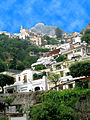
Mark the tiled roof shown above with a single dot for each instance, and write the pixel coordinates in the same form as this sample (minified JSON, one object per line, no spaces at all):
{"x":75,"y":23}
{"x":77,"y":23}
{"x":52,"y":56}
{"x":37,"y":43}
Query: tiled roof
{"x":53,"y":52}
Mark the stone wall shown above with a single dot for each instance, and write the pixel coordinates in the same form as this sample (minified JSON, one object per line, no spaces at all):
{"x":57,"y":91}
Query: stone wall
{"x":23,"y":99}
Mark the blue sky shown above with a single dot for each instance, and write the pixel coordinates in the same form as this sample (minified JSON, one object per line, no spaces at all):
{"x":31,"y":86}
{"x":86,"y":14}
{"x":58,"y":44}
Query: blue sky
{"x":70,"y":15}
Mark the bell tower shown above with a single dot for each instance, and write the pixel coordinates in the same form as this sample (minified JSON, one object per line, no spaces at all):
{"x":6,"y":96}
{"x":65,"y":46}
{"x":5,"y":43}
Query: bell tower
{"x":21,"y":30}
{"x":21,"y":27}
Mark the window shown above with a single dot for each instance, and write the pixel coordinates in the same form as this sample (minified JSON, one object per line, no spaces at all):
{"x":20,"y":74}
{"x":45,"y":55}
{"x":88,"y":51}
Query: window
{"x":19,"y":79}
{"x":25,"y":78}
{"x":54,"y":89}
{"x":61,"y":88}
{"x":64,"y":66}
{"x":37,"y":88}
{"x":61,"y":73}
{"x":70,"y":85}
{"x":75,"y":51}
{"x":58,"y":67}
{"x":68,"y":73}
{"x":88,"y":50}
{"x":78,"y":50}
{"x":66,"y":56}
{"x":14,"y":79}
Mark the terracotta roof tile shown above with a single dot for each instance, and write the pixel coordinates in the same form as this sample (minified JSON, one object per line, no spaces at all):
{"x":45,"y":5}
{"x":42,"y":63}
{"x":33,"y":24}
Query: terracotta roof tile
{"x":53,"y":52}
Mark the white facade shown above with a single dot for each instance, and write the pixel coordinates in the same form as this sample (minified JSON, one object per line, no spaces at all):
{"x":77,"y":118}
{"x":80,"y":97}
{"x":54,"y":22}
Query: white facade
{"x":24,"y":82}
{"x":45,"y":61}
{"x":4,"y":32}
{"x":77,"y":39}
{"x":64,"y":46}
{"x":77,"y":51}
{"x":51,"y":46}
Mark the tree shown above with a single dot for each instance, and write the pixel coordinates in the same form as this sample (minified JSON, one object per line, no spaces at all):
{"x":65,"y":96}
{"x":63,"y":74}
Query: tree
{"x":62,"y":42}
{"x":57,"y":105}
{"x":86,"y":38}
{"x":81,"y":68}
{"x":5,"y":80}
{"x":29,"y":60}
{"x":20,"y":66}
{"x":65,"y":105}
{"x":37,"y":49}
{"x":13,"y":64}
{"x":51,"y":110}
{"x":60,"y":58}
{"x":87,"y":31}
{"x":46,"y":37}
{"x":59,"y":32}
{"x":50,"y":41}
{"x":2,"y":66}
{"x":16,"y":65}
{"x":53,"y":77}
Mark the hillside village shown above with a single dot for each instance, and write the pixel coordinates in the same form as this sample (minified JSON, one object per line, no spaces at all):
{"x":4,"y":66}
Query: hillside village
{"x":57,"y":60}
{"x":73,"y":49}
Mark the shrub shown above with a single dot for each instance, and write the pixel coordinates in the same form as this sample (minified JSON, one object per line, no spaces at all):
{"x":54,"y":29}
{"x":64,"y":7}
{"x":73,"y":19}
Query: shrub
{"x":40,"y":67}
{"x":60,"y":58}
{"x":3,"y":118}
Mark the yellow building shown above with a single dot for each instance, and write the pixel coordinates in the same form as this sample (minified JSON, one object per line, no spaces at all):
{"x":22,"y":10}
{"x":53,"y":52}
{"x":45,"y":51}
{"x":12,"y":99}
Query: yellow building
{"x":62,"y":68}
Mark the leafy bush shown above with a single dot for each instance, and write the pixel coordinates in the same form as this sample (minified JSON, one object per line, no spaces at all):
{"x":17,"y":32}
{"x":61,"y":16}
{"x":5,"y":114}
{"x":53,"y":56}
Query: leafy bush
{"x":60,"y":58}
{"x":86,"y":38}
{"x":87,"y":31}
{"x":3,"y":118}
{"x":50,"y":40}
{"x":5,"y":80}
{"x":81,"y":68}
{"x":8,"y":100}
{"x":40,"y":67}
{"x":38,"y":76}
{"x":60,"y":105}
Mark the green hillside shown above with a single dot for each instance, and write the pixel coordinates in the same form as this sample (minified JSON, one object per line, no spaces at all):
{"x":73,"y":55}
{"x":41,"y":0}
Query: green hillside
{"x":14,"y":53}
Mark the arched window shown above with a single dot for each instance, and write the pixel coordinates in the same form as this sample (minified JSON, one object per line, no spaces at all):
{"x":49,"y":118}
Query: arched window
{"x":19,"y":78}
{"x":14,"y":79}
{"x":25,"y":78}
{"x":37,"y":88}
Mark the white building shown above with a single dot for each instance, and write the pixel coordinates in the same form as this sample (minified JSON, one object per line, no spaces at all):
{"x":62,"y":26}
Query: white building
{"x":77,"y":39}
{"x":77,"y":51}
{"x":25,"y":82}
{"x":4,"y":32}
{"x":47,"y":61}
